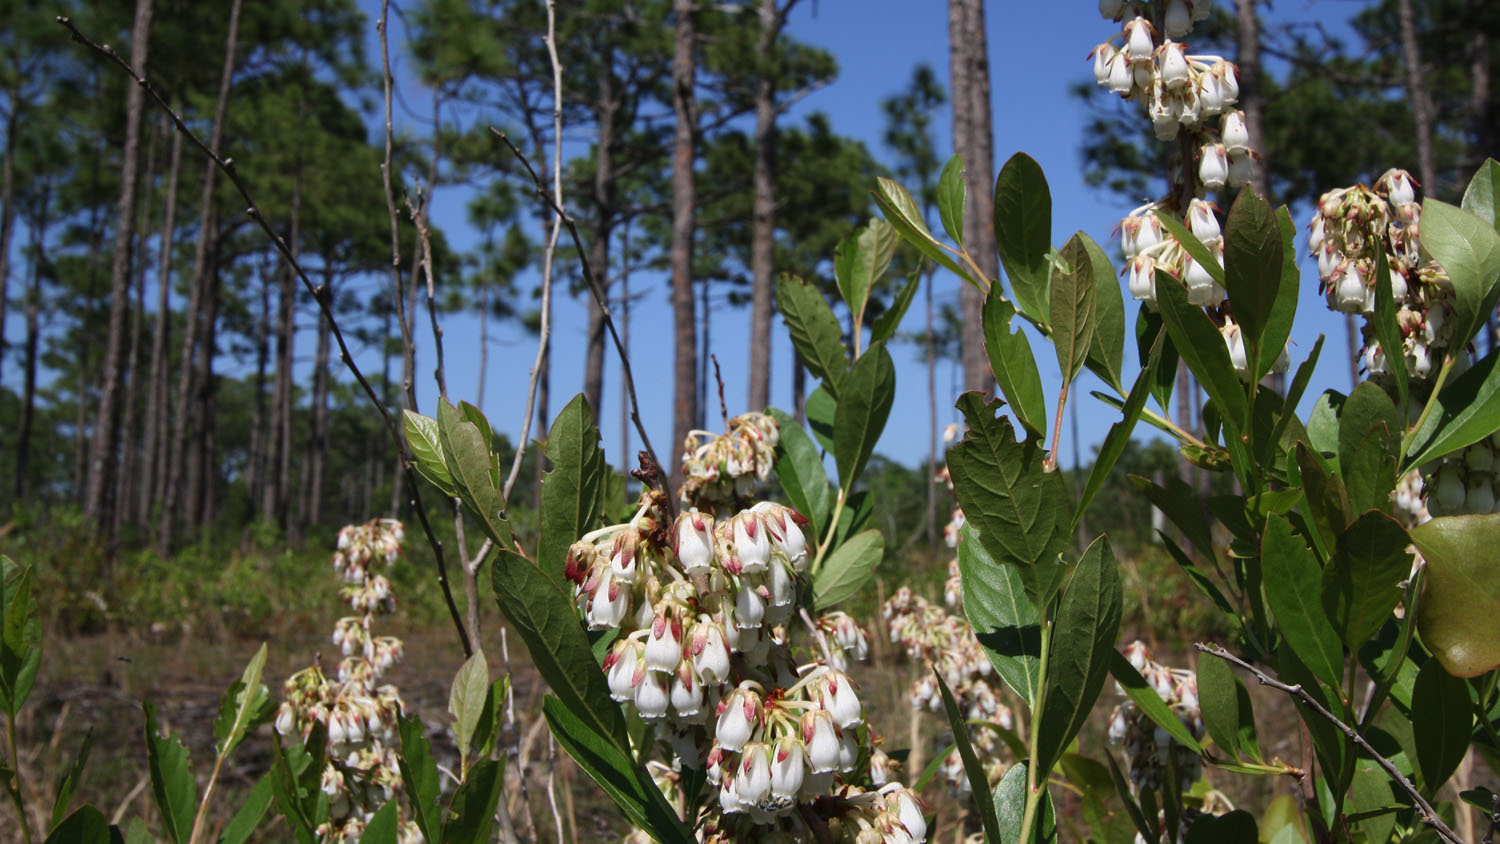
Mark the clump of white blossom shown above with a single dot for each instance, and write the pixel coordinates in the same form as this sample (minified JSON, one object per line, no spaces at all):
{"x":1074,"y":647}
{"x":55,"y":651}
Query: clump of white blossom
{"x":722,"y":469}
{"x":1189,"y":99}
{"x":1147,"y":746}
{"x":703,"y":608}
{"x":357,"y":712}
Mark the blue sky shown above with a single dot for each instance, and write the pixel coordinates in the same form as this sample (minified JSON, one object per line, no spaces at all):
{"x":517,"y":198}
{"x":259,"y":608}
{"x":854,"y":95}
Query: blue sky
{"x":1037,"y":51}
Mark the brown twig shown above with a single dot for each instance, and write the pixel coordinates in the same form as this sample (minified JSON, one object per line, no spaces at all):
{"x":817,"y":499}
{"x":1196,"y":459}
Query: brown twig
{"x":1429,"y":815}
{"x":719,"y":377}
{"x":593,"y":284}
{"x":325,"y":304}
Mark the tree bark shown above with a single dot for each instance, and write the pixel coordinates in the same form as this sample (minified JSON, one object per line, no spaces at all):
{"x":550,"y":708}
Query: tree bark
{"x":1416,"y":91}
{"x":201,"y":470}
{"x":273,"y":502}
{"x":103,"y":457}
{"x":33,"y":335}
{"x":127,"y":479}
{"x":763,"y":212}
{"x":932,"y":416}
{"x":1252,"y":93}
{"x":8,"y":204}
{"x":255,"y":477}
{"x":973,"y":138}
{"x":627,"y":459}
{"x":605,"y":111}
{"x":684,"y":199}
{"x":154,"y":467}
{"x":177,"y":447}
{"x":320,"y":410}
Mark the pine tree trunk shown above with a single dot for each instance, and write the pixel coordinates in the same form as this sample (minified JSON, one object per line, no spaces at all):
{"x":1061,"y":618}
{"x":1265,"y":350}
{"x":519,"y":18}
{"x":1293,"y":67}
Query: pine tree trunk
{"x":128,"y":479}
{"x":932,"y":416}
{"x":627,"y":457}
{"x":973,"y":137}
{"x":763,"y":213}
{"x":33,"y":335}
{"x":1252,"y":93}
{"x":273,"y":502}
{"x":202,"y":476}
{"x":255,"y":473}
{"x":177,"y":447}
{"x":320,"y":409}
{"x":605,"y":111}
{"x":705,"y":324}
{"x":154,"y":468}
{"x":684,"y":202}
{"x":1416,"y":91}
{"x":103,"y":459}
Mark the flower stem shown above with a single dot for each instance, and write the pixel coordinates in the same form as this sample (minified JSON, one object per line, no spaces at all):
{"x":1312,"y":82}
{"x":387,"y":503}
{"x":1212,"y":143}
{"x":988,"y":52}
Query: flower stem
{"x":1033,"y":791}
{"x":833,"y":523}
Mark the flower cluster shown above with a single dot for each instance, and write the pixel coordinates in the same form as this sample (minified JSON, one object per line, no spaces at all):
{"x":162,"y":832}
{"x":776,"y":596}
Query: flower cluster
{"x":946,"y":643}
{"x":702,"y":608}
{"x":1146,"y":745}
{"x":357,"y":713}
{"x":721,"y":470}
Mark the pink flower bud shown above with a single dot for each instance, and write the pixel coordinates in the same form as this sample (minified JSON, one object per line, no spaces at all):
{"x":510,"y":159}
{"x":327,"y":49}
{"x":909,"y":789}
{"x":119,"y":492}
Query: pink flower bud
{"x":739,"y":713}
{"x":752,"y":545}
{"x":664,"y":644}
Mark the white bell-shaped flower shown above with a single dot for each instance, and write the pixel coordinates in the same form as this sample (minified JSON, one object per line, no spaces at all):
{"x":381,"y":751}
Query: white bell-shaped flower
{"x":1139,"y":43}
{"x":1234,"y":132}
{"x":1178,"y":20}
{"x":752,"y":543}
{"x":695,"y":541}
{"x":1143,"y":278}
{"x":651,"y":696}
{"x":1202,"y":221}
{"x":1172,"y":67}
{"x":1102,"y":55}
{"x":821,"y":738}
{"x":754,"y":773}
{"x":664,"y":644}
{"x":739,"y":712}
{"x":788,"y":767}
{"x":1213,"y":166}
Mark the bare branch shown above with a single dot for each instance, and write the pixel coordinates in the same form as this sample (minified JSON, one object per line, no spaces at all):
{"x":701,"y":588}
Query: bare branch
{"x":1429,"y":815}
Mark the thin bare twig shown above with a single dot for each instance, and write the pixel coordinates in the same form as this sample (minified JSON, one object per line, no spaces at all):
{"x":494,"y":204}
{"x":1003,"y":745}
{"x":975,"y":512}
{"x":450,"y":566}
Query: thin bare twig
{"x":1429,"y":815}
{"x":719,"y":378}
{"x":320,"y":295}
{"x":594,"y":288}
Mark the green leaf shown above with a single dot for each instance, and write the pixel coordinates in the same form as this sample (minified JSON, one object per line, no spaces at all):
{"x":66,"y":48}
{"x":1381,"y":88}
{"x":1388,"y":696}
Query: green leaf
{"x":171,"y":780}
{"x":1013,"y":364}
{"x":616,"y":775}
{"x":1225,"y":705}
{"x":20,"y":636}
{"x":1467,"y":411}
{"x":847,"y":569}
{"x":1236,"y":827}
{"x":1106,"y":353}
{"x":71,"y":777}
{"x":1150,"y":703}
{"x":1482,"y":196}
{"x":973,"y":768}
{"x":138,"y":833}
{"x":821,"y":409}
{"x":1459,"y":612}
{"x":426,"y":447}
{"x":573,"y":492}
{"x":250,"y":813}
{"x":1202,"y":347}
{"x":814,"y":330}
{"x":1010,"y":808}
{"x":1284,"y":306}
{"x":1362,"y":583}
{"x":419,"y":773}
{"x":1327,"y":500}
{"x":1119,"y":433}
{"x":1083,"y":640}
{"x":1023,"y":232}
{"x":1369,"y":440}
{"x":547,"y":622}
{"x":863,"y":408}
{"x":1467,"y":248}
{"x":85,"y":826}
{"x":245,"y":706}
{"x":1003,"y":620}
{"x":382,"y":827}
{"x":466,"y":698}
{"x":296,"y":778}
{"x":1386,"y":329}
{"x":1071,"y":306}
{"x":1148,"y":326}
{"x":901,"y":211}
{"x":1370,"y":791}
{"x":800,"y":470}
{"x":950,"y":198}
{"x":473,"y":806}
{"x":471,"y":462}
{"x":1020,"y":510}
{"x":884,"y":327}
{"x":1292,"y":582}
{"x":861,"y":259}
{"x":1443,"y":721}
{"x":1253,"y":268}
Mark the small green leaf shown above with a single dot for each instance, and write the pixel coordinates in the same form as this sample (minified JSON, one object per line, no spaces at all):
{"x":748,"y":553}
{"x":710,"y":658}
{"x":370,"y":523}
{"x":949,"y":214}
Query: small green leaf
{"x":1292,"y":583}
{"x":1369,"y":440}
{"x":1106,"y":353}
{"x":1226,"y":709}
{"x":1443,"y":721}
{"x":171,"y":780}
{"x":572,"y":493}
{"x":1083,"y":637}
{"x":470,"y":461}
{"x":1013,"y":364}
{"x":901,"y":211}
{"x":1150,"y":703}
{"x":70,"y":778}
{"x":473,"y":807}
{"x":1362,"y":583}
{"x":1071,"y":306}
{"x":950,"y":198}
{"x":801,"y":472}
{"x":382,"y":827}
{"x":1458,"y":614}
{"x":978,"y":781}
{"x":245,"y":706}
{"x":864,"y":405}
{"x":138,"y":833}
{"x":250,"y":813}
{"x":814,"y":330}
{"x":1020,"y":510}
{"x":20,"y":636}
{"x":1002,"y":618}
{"x":427,"y":450}
{"x":861,"y":259}
{"x":471,"y":685}
{"x":847,"y":569}
{"x":1468,"y":248}
{"x":1482,"y":196}
{"x":1010,"y":808}
{"x":1023,"y":232}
